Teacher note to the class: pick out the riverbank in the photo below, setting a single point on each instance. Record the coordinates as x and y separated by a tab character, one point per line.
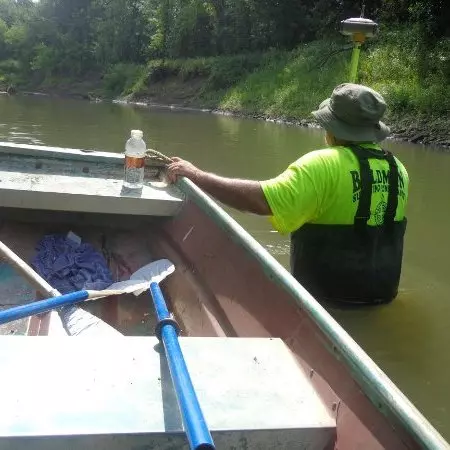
434	131
284	86
426	131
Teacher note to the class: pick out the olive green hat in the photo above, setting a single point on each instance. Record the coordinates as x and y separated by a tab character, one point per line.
353	113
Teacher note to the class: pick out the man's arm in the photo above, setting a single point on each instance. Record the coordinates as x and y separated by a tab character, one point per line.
245	195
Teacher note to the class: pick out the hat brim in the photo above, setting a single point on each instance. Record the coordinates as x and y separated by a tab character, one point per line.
347	132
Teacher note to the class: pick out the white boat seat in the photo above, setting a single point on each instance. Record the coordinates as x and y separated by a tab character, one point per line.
77	181
117	394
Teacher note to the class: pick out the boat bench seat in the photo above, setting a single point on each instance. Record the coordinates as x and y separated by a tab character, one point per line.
79	182
117	394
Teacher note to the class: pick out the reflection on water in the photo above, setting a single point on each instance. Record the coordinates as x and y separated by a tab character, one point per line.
407	338
25	133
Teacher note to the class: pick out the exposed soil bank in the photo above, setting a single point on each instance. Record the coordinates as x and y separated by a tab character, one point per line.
189	95
433	131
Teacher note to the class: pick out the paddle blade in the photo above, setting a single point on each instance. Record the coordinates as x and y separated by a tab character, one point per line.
156	271
126	287
139	282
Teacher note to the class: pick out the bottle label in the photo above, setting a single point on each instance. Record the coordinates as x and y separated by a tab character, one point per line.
133	162
134	170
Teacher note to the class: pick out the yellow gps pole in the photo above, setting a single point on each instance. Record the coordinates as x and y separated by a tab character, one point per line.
358	29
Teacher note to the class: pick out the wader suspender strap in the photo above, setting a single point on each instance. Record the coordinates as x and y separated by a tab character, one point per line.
365	196
392	203
363	212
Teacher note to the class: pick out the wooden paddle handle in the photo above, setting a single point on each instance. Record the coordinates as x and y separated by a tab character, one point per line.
27	272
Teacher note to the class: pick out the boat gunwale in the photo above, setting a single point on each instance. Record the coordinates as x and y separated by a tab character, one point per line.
380	390
40	151
63	153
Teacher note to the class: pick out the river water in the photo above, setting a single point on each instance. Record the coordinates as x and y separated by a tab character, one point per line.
407	338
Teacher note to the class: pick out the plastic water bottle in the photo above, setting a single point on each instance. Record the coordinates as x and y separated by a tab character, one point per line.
134	160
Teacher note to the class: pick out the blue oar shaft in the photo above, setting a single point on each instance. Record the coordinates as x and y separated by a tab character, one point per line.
195	425
41	306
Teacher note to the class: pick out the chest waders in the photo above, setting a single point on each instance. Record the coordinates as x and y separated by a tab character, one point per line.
354	263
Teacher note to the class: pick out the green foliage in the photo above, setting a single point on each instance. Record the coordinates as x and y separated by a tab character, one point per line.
45	59
194	68
274	58
72	37
121	31
392	66
9	72
217	73
291	84
121	78
9	66
227	71
288	84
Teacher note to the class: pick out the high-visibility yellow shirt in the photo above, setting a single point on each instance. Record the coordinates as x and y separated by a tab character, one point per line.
323	187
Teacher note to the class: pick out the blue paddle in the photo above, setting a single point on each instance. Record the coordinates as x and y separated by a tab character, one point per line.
167	331
138	283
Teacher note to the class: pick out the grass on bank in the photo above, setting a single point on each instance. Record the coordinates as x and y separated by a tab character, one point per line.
288	84
291	84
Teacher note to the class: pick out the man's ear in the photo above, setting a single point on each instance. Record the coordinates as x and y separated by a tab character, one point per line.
330	139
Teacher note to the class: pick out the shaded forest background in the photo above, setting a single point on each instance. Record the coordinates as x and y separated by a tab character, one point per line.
269	57
75	36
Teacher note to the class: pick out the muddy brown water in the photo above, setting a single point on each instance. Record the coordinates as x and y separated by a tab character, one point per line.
408	338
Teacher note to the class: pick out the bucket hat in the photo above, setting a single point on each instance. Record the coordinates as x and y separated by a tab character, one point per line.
353	113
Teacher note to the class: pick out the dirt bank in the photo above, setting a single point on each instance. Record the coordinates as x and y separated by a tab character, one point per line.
419	130
433	131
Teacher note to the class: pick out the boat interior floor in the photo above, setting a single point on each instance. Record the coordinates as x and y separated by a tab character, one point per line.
124	251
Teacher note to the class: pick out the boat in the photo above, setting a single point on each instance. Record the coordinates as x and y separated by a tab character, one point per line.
229	296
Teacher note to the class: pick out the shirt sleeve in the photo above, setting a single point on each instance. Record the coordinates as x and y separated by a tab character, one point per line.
293	196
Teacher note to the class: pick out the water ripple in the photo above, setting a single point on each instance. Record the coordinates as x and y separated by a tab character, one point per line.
21	135
278	249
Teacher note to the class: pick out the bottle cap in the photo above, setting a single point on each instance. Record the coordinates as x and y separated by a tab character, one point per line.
137	134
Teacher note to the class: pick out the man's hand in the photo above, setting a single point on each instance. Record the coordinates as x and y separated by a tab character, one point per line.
180	167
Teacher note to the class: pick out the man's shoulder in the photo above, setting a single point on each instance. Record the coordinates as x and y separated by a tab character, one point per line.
402	170
318	156
324	158
399	162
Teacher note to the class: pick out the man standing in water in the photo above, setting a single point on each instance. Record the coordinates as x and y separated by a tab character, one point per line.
344	205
